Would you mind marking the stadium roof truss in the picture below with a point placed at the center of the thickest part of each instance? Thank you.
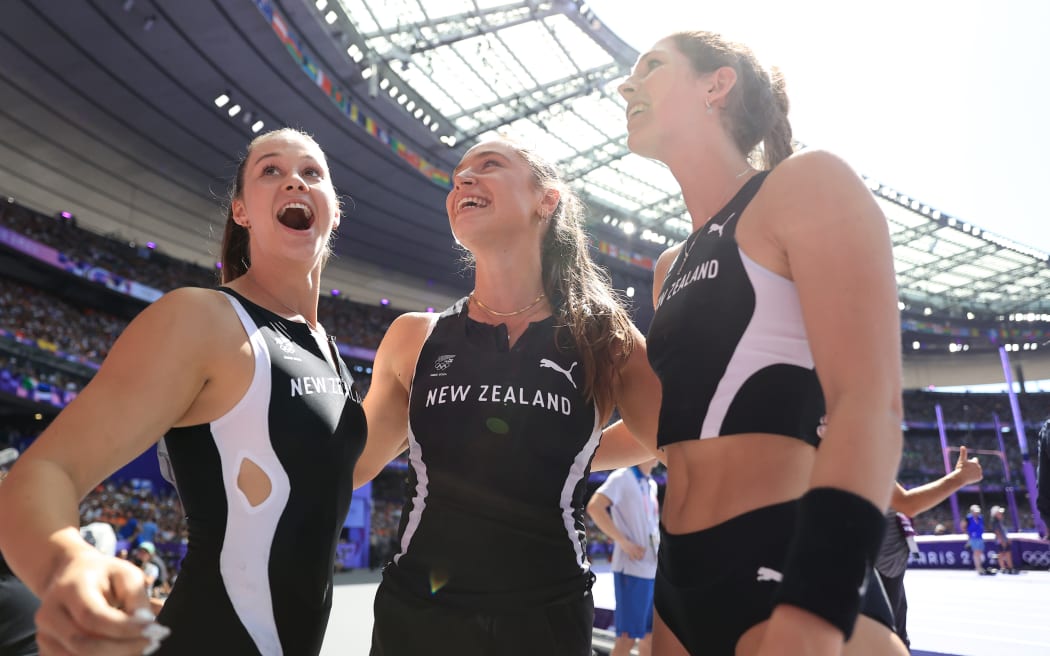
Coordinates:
(545, 72)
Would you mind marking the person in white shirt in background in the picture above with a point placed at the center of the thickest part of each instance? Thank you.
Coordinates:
(626, 509)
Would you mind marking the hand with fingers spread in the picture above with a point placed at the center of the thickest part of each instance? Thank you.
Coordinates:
(97, 605)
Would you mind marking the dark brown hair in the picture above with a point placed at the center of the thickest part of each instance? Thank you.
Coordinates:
(580, 292)
(235, 255)
(757, 106)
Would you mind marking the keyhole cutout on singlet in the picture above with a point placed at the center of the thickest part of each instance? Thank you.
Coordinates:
(254, 483)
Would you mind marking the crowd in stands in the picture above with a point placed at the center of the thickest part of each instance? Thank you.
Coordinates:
(967, 408)
(352, 322)
(54, 324)
(128, 260)
(24, 374)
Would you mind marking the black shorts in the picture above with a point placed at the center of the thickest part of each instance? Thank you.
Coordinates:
(406, 625)
(715, 584)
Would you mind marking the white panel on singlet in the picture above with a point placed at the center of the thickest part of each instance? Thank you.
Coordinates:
(775, 335)
(243, 433)
(576, 473)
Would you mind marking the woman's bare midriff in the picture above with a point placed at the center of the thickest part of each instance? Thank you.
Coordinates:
(712, 480)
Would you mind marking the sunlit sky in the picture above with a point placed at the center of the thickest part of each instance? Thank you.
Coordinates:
(947, 102)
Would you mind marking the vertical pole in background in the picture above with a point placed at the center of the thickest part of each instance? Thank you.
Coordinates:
(1011, 500)
(948, 468)
(1026, 460)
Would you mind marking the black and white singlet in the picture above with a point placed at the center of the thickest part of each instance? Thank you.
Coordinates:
(728, 342)
(258, 579)
(500, 444)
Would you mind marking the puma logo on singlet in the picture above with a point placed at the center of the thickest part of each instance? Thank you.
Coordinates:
(767, 574)
(550, 364)
(717, 227)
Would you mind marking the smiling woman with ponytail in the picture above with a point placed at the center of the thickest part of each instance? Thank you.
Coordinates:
(501, 401)
(264, 476)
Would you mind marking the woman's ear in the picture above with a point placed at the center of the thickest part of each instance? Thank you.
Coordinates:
(721, 83)
(240, 212)
(551, 198)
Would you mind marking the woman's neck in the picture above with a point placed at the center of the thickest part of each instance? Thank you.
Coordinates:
(284, 294)
(508, 282)
(709, 177)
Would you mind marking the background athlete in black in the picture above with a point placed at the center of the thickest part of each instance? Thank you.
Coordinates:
(501, 401)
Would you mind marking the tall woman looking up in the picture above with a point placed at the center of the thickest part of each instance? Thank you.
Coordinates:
(776, 323)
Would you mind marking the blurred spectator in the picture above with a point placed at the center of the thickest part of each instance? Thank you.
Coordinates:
(1006, 557)
(144, 556)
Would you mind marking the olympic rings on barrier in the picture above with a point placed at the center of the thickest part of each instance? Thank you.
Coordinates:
(1036, 558)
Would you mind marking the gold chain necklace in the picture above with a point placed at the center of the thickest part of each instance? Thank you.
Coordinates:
(497, 313)
(692, 240)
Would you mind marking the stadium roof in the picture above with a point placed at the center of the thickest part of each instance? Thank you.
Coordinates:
(547, 72)
(112, 110)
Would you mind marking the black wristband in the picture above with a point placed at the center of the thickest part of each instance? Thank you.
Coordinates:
(836, 539)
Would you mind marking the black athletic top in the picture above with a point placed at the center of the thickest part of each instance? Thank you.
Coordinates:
(500, 444)
(17, 609)
(728, 343)
(258, 580)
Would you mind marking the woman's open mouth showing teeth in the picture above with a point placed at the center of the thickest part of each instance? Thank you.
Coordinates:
(471, 201)
(296, 216)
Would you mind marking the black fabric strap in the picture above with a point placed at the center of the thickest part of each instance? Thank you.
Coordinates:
(836, 539)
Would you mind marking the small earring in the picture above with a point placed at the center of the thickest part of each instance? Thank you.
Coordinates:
(710, 109)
